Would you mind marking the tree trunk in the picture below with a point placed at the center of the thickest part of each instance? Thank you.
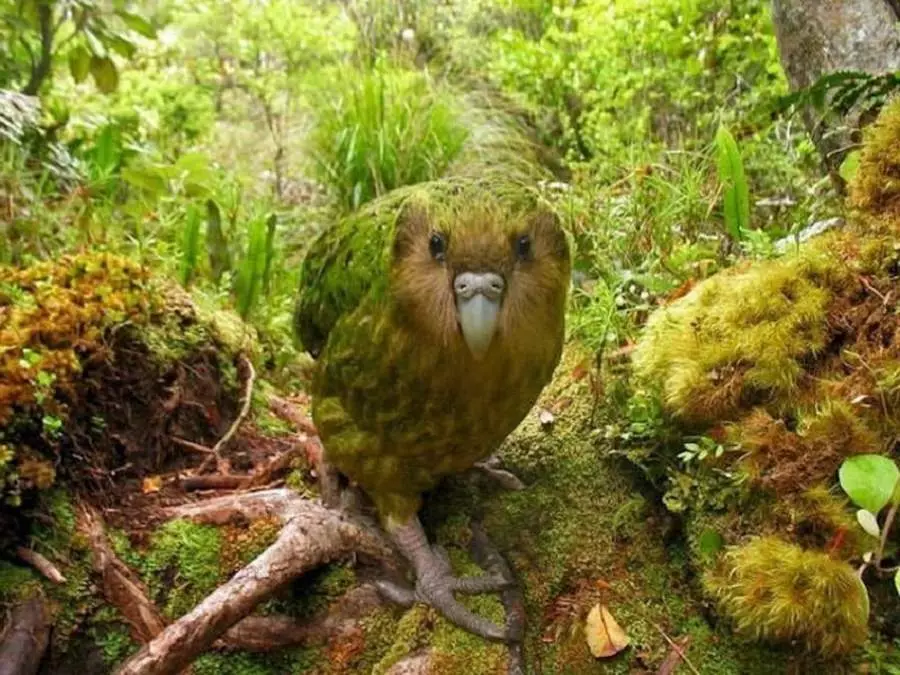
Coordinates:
(818, 37)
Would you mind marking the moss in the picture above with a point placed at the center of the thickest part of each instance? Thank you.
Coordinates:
(241, 545)
(16, 582)
(875, 188)
(745, 334)
(774, 590)
(282, 662)
(182, 565)
(407, 635)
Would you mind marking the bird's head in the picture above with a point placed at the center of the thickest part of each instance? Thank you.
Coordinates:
(479, 275)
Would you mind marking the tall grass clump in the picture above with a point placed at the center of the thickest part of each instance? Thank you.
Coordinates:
(383, 129)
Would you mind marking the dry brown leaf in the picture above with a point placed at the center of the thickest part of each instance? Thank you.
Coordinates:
(151, 484)
(604, 636)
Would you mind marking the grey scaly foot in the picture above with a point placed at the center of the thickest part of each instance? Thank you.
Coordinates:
(436, 585)
(490, 467)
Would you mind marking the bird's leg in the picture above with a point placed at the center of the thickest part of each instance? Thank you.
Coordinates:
(435, 583)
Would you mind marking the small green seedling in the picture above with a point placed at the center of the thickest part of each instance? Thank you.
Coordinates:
(873, 483)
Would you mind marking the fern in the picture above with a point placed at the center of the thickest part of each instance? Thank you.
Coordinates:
(737, 194)
(271, 223)
(843, 91)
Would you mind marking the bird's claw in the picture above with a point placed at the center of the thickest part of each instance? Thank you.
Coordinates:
(435, 588)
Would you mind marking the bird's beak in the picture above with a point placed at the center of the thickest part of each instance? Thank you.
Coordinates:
(478, 298)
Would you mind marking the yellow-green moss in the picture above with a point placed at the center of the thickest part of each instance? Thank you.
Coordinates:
(744, 334)
(875, 188)
(774, 590)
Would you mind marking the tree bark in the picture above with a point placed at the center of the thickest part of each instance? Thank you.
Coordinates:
(41, 70)
(818, 37)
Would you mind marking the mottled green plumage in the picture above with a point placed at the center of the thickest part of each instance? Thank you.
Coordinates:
(398, 398)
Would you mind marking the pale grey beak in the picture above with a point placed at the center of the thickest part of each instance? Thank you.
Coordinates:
(478, 298)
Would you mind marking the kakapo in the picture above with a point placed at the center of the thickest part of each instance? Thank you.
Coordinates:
(436, 315)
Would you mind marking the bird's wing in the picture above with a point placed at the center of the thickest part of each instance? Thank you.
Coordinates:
(347, 262)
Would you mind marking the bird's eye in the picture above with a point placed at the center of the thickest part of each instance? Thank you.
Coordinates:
(523, 247)
(438, 246)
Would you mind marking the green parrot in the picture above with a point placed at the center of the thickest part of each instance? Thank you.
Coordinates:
(436, 315)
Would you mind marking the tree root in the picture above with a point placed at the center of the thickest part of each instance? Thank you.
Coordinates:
(312, 536)
(23, 643)
(242, 415)
(41, 564)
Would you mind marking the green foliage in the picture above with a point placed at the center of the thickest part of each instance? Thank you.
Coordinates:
(190, 245)
(870, 480)
(844, 90)
(731, 174)
(376, 131)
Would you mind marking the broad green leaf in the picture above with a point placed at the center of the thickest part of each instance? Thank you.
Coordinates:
(190, 244)
(869, 480)
(146, 178)
(138, 24)
(95, 45)
(737, 194)
(121, 45)
(105, 74)
(897, 581)
(79, 63)
(216, 243)
(868, 522)
(271, 224)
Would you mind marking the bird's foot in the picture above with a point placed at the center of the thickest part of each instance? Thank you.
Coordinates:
(436, 585)
(490, 467)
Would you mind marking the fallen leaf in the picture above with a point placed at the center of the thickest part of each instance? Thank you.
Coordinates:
(604, 636)
(151, 484)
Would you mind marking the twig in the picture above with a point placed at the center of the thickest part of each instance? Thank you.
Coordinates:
(190, 445)
(677, 649)
(674, 657)
(214, 482)
(41, 564)
(885, 531)
(245, 410)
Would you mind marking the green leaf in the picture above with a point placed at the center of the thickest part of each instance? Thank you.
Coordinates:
(737, 194)
(146, 178)
(105, 74)
(897, 581)
(216, 243)
(271, 224)
(121, 45)
(869, 480)
(868, 522)
(190, 245)
(849, 166)
(79, 63)
(710, 543)
(95, 45)
(138, 24)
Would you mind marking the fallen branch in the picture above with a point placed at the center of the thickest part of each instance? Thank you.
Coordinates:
(26, 637)
(41, 564)
(190, 445)
(215, 482)
(312, 536)
(289, 413)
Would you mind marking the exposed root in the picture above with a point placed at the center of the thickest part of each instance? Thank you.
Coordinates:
(41, 564)
(25, 639)
(121, 588)
(264, 633)
(242, 415)
(214, 482)
(312, 536)
(289, 413)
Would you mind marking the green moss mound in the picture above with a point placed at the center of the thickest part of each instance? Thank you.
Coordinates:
(771, 374)
(94, 360)
(778, 591)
